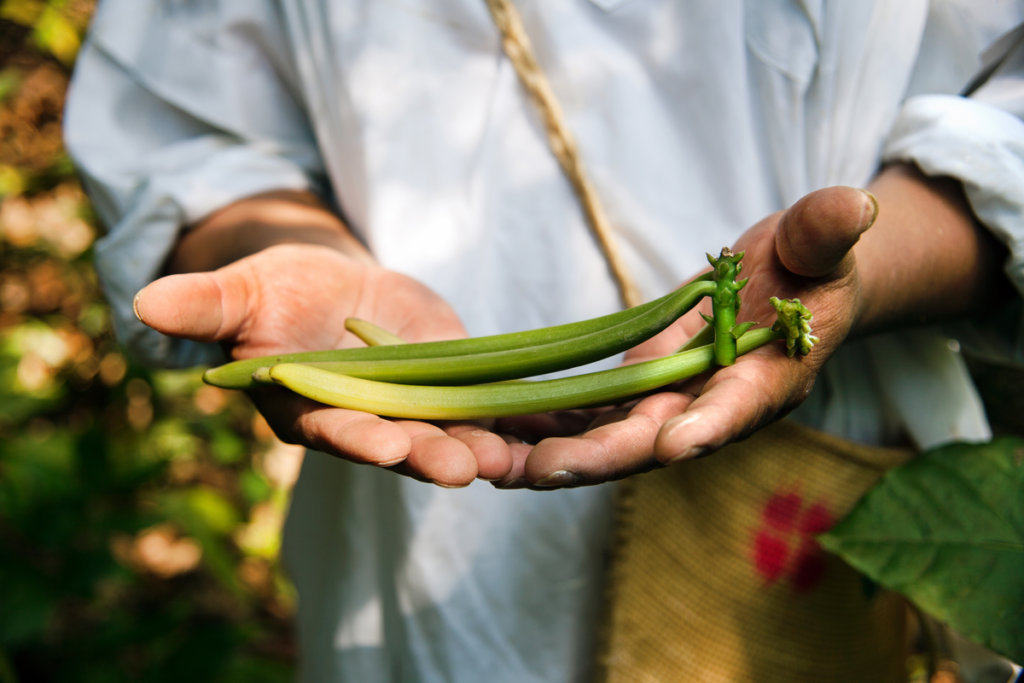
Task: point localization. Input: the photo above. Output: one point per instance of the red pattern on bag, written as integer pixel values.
(784, 547)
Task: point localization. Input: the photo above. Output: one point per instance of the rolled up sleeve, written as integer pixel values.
(979, 140)
(173, 114)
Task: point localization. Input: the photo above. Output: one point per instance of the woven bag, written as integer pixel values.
(716, 576)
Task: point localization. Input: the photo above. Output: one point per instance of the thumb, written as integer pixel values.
(206, 307)
(817, 233)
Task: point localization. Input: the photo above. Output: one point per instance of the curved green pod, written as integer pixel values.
(238, 375)
(370, 334)
(607, 387)
(499, 366)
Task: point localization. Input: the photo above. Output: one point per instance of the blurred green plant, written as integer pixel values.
(140, 511)
(56, 25)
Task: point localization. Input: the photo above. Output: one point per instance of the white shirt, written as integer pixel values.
(696, 119)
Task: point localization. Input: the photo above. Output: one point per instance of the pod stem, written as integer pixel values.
(725, 304)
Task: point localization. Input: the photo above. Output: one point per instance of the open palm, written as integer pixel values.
(293, 298)
(802, 253)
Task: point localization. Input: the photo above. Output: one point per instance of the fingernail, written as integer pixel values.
(680, 421)
(559, 478)
(517, 483)
(674, 425)
(688, 454)
(865, 224)
(515, 433)
(450, 486)
(135, 308)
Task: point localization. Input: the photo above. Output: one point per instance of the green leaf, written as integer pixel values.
(54, 32)
(200, 511)
(171, 439)
(177, 383)
(254, 486)
(35, 473)
(27, 604)
(15, 408)
(209, 517)
(12, 181)
(244, 669)
(22, 12)
(226, 447)
(10, 80)
(947, 531)
(6, 669)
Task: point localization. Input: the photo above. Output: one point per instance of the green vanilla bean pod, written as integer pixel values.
(374, 335)
(533, 360)
(725, 303)
(238, 375)
(523, 398)
(370, 334)
(703, 338)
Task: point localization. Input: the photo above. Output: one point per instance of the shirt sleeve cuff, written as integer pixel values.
(982, 146)
(134, 252)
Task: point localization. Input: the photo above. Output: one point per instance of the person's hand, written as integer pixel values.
(294, 298)
(802, 253)
(925, 258)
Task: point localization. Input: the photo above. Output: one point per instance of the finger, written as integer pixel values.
(611, 416)
(534, 428)
(735, 402)
(493, 458)
(521, 432)
(349, 434)
(609, 452)
(815, 235)
(515, 478)
(437, 457)
(207, 307)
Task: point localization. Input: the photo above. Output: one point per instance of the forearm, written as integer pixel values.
(925, 258)
(256, 223)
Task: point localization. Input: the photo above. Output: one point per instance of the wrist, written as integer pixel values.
(260, 222)
(926, 258)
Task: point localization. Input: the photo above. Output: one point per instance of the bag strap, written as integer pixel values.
(519, 51)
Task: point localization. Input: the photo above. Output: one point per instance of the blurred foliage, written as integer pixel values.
(140, 511)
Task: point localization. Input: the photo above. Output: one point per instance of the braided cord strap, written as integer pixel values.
(518, 49)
